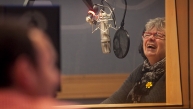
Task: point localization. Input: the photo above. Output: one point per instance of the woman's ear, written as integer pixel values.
(24, 75)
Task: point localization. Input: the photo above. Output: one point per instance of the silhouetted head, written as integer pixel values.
(27, 59)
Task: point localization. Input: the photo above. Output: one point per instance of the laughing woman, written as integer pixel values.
(146, 84)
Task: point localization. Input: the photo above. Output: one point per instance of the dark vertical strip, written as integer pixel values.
(189, 58)
(1, 11)
(190, 11)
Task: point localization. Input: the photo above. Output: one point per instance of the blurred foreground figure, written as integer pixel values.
(29, 76)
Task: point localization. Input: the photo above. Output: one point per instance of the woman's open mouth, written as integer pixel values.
(151, 46)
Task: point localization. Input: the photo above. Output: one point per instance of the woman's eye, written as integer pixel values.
(160, 35)
(147, 34)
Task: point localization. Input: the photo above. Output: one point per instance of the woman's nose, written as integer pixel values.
(152, 37)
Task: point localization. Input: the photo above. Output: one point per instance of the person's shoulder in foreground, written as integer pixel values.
(29, 77)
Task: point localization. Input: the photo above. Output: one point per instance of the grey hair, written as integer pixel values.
(158, 23)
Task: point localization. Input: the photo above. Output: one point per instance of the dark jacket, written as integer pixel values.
(156, 95)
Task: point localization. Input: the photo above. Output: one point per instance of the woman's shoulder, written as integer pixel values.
(137, 70)
(136, 74)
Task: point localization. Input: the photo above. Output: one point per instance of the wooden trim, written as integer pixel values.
(118, 106)
(182, 25)
(173, 84)
(191, 49)
(90, 86)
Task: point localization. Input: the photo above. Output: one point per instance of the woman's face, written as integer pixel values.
(154, 45)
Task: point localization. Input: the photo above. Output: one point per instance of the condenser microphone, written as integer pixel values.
(101, 17)
(104, 31)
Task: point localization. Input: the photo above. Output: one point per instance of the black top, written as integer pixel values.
(156, 95)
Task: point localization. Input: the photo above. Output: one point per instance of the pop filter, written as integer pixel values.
(121, 40)
(121, 43)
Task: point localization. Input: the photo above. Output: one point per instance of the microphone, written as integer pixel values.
(103, 19)
(104, 31)
(121, 40)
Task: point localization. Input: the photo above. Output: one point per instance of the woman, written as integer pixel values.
(146, 84)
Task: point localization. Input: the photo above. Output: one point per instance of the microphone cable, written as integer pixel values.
(121, 40)
(123, 20)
